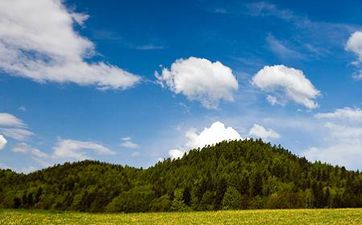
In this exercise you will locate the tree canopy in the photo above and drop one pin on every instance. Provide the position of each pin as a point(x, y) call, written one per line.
point(245, 174)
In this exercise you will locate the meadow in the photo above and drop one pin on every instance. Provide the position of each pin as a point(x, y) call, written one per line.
point(294, 216)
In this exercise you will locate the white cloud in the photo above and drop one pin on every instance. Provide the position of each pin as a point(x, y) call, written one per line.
point(200, 80)
point(19, 134)
point(13, 127)
point(3, 142)
point(348, 114)
point(38, 41)
point(26, 149)
point(176, 153)
point(285, 83)
point(27, 170)
point(7, 119)
point(343, 146)
point(149, 47)
point(354, 44)
point(73, 149)
point(339, 154)
point(128, 143)
point(342, 139)
point(358, 75)
point(214, 134)
point(281, 50)
point(303, 28)
point(263, 133)
point(22, 108)
point(273, 100)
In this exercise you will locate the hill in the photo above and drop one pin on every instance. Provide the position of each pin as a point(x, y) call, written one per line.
point(244, 174)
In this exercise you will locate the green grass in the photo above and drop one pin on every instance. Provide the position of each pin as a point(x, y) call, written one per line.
point(295, 217)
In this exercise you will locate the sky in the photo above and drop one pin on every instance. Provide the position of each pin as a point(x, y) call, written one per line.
point(135, 82)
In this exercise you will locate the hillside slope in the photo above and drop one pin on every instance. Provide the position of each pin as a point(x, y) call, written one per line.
point(230, 175)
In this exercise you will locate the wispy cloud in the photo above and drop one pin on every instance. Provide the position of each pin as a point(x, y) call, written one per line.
point(260, 131)
point(9, 120)
point(348, 114)
point(26, 149)
point(3, 142)
point(13, 127)
point(76, 150)
point(281, 50)
point(19, 134)
point(116, 38)
point(334, 31)
point(149, 47)
point(312, 38)
point(128, 143)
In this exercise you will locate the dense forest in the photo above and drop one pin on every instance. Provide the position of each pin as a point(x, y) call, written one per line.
point(248, 174)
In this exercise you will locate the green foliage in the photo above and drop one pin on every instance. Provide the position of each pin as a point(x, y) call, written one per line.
point(178, 203)
point(232, 199)
point(161, 204)
point(137, 199)
point(244, 174)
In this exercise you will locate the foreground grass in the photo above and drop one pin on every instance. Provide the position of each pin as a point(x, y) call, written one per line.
point(295, 217)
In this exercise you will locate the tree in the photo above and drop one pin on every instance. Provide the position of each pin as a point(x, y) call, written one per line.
point(161, 204)
point(135, 200)
point(232, 199)
point(266, 176)
point(177, 202)
point(186, 196)
point(220, 191)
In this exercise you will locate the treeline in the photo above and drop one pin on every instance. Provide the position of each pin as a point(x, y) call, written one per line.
point(246, 174)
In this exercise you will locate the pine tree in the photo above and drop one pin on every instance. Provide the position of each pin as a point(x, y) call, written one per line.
point(232, 199)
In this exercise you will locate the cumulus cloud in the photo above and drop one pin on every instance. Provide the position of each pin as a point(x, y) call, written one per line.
point(263, 133)
point(200, 80)
point(38, 41)
point(76, 150)
point(13, 127)
point(176, 153)
point(214, 134)
point(354, 44)
point(128, 143)
point(26, 149)
point(3, 142)
point(285, 83)
point(347, 113)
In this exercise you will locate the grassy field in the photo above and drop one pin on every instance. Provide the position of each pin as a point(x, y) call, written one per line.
point(295, 217)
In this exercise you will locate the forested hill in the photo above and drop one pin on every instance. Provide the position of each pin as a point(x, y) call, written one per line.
point(230, 175)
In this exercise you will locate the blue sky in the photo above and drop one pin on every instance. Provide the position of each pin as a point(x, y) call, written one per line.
point(133, 82)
